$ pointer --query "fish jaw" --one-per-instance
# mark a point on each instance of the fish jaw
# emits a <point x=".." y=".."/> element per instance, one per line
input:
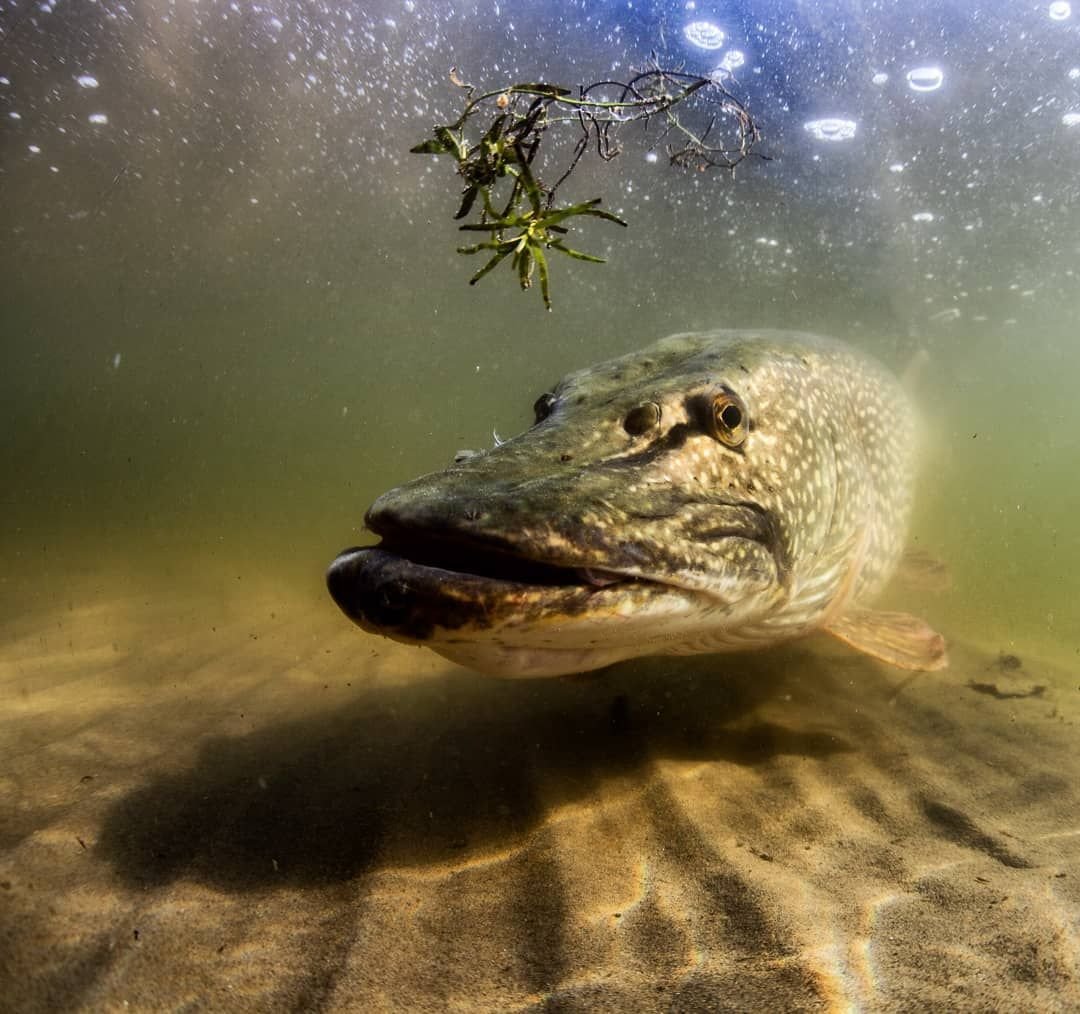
<point x="502" y="627"/>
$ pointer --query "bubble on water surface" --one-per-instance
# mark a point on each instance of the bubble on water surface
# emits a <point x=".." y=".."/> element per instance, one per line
<point x="86" y="81"/>
<point x="925" y="79"/>
<point x="831" y="128"/>
<point x="98" y="118"/>
<point x="704" y="34"/>
<point x="1060" y="10"/>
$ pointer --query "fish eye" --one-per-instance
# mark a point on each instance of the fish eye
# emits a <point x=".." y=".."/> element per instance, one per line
<point x="642" y="419"/>
<point x="542" y="406"/>
<point x="729" y="421"/>
<point x="731" y="416"/>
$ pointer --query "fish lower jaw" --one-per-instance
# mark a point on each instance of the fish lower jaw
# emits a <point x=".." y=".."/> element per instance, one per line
<point x="516" y="655"/>
<point x="512" y="628"/>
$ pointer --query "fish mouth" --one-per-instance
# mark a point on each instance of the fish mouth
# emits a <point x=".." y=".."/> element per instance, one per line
<point x="412" y="582"/>
<point x="421" y="583"/>
<point x="486" y="557"/>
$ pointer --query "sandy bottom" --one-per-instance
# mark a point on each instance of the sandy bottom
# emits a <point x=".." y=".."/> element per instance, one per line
<point x="245" y="804"/>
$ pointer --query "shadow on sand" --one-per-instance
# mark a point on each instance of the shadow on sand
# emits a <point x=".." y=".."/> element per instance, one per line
<point x="440" y="770"/>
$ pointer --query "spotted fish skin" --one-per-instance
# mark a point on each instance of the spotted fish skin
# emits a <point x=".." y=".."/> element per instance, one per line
<point x="633" y="520"/>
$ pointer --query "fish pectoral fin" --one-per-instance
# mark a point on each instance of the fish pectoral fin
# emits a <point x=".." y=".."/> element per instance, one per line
<point x="900" y="639"/>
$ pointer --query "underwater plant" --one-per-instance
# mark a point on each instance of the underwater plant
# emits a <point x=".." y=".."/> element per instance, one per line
<point x="496" y="139"/>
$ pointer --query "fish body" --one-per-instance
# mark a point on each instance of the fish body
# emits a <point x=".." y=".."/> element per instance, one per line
<point x="716" y="491"/>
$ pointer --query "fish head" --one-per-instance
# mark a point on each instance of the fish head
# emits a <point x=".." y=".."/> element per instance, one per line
<point x="661" y="503"/>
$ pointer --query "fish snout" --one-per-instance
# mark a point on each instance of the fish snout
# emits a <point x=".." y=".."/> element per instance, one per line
<point x="361" y="595"/>
<point x="429" y="505"/>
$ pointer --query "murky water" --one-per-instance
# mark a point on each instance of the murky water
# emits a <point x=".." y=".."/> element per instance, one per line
<point x="233" y="314"/>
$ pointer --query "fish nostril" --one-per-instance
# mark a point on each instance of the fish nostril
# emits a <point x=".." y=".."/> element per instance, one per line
<point x="641" y="419"/>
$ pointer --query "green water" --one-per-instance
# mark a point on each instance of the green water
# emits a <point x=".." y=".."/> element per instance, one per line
<point x="233" y="313"/>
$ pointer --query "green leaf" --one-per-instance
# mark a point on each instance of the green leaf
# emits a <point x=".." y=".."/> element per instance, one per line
<point x="443" y="143"/>
<point x="576" y="254"/>
<point x="495" y="129"/>
<point x="467" y="199"/>
<point x="606" y="215"/>
<point x="584" y="208"/>
<point x="491" y="244"/>
<point x="524" y="259"/>
<point x="514" y="222"/>
<point x="453" y="144"/>
<point x="494" y="262"/>
<point x="430" y="147"/>
<point x="528" y="181"/>
<point x="542" y="267"/>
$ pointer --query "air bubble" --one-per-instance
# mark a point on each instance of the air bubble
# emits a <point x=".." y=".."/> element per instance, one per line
<point x="925" y="79"/>
<point x="704" y="34"/>
<point x="831" y="128"/>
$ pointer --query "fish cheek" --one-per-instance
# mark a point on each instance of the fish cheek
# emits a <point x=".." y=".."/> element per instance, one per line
<point x="742" y="572"/>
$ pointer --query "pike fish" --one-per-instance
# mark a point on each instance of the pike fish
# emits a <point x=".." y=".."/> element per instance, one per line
<point x="714" y="492"/>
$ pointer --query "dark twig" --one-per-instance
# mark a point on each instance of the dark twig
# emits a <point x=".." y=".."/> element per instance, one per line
<point x="517" y="119"/>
